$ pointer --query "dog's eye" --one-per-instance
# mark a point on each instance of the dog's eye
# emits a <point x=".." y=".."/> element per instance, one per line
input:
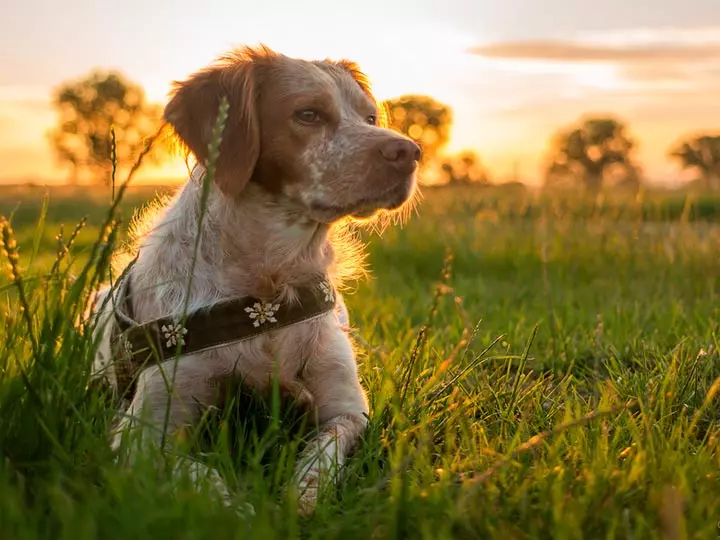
<point x="372" y="120"/>
<point x="308" y="116"/>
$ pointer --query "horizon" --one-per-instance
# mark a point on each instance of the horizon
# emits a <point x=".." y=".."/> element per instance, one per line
<point x="512" y="78"/>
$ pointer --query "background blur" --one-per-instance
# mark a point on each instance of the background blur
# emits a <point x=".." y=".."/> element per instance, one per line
<point x="509" y="83"/>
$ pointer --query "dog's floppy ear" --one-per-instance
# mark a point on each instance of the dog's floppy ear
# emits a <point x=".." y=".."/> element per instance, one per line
<point x="193" y="111"/>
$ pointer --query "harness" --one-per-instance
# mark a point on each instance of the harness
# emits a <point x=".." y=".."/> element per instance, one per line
<point x="136" y="346"/>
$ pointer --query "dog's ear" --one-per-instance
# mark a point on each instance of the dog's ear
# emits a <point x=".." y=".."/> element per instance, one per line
<point x="193" y="111"/>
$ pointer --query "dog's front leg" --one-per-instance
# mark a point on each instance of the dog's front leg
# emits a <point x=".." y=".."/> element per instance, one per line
<point x="168" y="398"/>
<point x="341" y="411"/>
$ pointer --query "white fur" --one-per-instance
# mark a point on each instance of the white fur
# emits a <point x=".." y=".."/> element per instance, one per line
<point x="242" y="245"/>
<point x="255" y="241"/>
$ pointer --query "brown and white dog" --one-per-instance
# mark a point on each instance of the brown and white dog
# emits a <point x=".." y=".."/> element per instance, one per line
<point x="302" y="150"/>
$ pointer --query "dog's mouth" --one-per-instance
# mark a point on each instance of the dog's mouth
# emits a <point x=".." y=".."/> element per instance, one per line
<point x="365" y="207"/>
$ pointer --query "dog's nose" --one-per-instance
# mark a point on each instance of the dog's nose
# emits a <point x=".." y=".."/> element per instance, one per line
<point x="401" y="153"/>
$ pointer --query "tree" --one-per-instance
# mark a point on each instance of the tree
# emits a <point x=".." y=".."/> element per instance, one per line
<point x="423" y="119"/>
<point x="464" y="168"/>
<point x="87" y="109"/>
<point x="702" y="154"/>
<point x="597" y="152"/>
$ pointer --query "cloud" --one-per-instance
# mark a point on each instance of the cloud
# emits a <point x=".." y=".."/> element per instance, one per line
<point x="657" y="60"/>
<point x="577" y="52"/>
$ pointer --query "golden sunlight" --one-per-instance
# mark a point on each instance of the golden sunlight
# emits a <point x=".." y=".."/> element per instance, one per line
<point x="405" y="62"/>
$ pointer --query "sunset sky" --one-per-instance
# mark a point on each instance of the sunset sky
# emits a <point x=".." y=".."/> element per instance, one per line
<point x="513" y="71"/>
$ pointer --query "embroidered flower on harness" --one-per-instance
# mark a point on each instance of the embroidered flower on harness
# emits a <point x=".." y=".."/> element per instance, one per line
<point x="327" y="291"/>
<point x="173" y="334"/>
<point x="262" y="313"/>
<point x="126" y="347"/>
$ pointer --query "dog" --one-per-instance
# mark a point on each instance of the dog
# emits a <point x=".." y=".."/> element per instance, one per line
<point x="304" y="151"/>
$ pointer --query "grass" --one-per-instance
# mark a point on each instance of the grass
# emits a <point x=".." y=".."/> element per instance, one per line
<point x="537" y="368"/>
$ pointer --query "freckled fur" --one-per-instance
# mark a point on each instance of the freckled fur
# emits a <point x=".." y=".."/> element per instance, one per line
<point x="276" y="219"/>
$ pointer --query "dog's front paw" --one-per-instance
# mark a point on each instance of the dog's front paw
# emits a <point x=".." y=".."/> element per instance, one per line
<point x="245" y="510"/>
<point x="308" y="486"/>
<point x="200" y="474"/>
<point x="315" y="471"/>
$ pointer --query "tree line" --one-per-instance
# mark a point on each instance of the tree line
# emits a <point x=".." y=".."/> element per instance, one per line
<point x="104" y="118"/>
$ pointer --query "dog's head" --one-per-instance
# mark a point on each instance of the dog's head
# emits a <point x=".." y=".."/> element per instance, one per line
<point x="310" y="131"/>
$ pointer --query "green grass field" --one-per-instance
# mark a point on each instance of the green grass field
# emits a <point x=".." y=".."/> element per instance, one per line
<point x="537" y="368"/>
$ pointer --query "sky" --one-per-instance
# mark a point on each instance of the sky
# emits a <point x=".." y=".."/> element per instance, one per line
<point x="513" y="72"/>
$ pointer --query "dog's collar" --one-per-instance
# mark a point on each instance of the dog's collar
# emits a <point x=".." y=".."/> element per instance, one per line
<point x="139" y="345"/>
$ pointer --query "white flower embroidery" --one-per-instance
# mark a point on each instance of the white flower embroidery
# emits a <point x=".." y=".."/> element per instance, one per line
<point x="262" y="313"/>
<point x="328" y="291"/>
<point x="173" y="334"/>
<point x="126" y="347"/>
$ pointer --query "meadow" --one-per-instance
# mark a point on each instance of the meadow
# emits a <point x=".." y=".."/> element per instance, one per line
<point x="539" y="366"/>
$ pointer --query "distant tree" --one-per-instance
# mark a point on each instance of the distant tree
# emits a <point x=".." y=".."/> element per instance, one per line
<point x="87" y="108"/>
<point x="423" y="119"/>
<point x="702" y="154"/>
<point x="596" y="153"/>
<point x="463" y="168"/>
